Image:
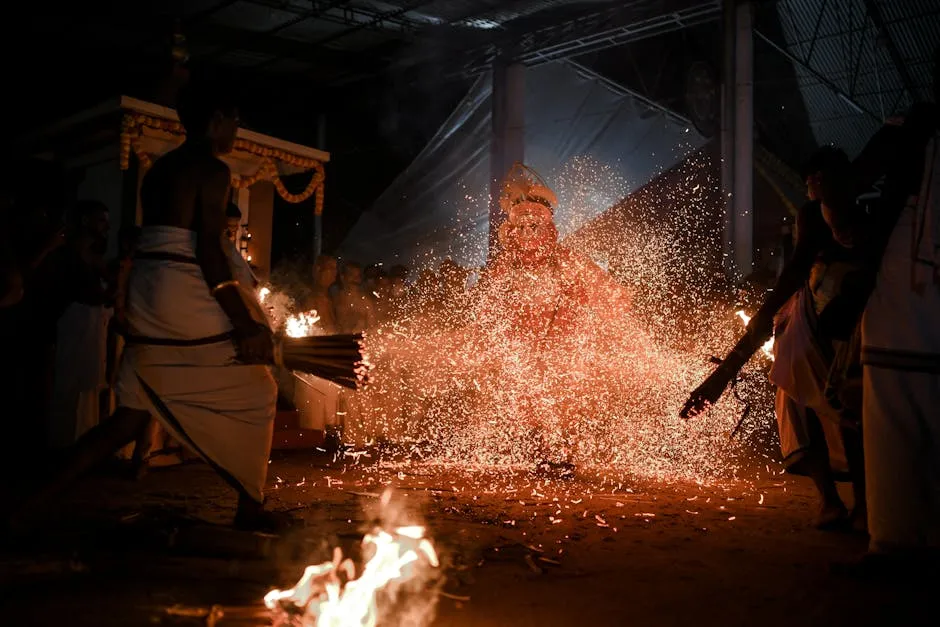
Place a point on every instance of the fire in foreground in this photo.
(330, 594)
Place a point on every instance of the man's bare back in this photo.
(173, 189)
(189, 188)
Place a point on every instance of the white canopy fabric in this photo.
(592, 145)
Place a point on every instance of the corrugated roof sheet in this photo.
(839, 40)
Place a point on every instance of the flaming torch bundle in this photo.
(336, 358)
(768, 348)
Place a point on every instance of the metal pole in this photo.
(317, 218)
(727, 134)
(317, 235)
(508, 137)
(744, 140)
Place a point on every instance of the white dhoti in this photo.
(80, 377)
(180, 365)
(901, 358)
(800, 372)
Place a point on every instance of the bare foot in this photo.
(832, 517)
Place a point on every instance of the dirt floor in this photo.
(514, 551)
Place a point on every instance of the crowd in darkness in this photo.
(353, 299)
(61, 303)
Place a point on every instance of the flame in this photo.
(301, 324)
(323, 599)
(768, 347)
(278, 307)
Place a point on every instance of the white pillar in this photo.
(508, 140)
(744, 140)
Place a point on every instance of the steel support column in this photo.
(743, 198)
(508, 138)
(317, 217)
(727, 133)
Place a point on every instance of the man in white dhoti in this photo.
(74, 289)
(901, 346)
(806, 306)
(196, 354)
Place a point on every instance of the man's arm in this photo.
(792, 278)
(212, 200)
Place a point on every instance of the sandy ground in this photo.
(515, 551)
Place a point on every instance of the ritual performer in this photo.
(196, 349)
(545, 296)
(811, 329)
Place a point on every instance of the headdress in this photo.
(524, 191)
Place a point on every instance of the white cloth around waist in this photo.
(169, 299)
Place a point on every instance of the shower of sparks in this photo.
(456, 382)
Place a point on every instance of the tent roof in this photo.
(592, 144)
(857, 62)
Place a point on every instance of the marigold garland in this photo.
(133, 123)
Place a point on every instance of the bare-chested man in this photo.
(196, 353)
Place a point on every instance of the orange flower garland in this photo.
(131, 128)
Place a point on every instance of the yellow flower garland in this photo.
(131, 129)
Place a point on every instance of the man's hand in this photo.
(255, 345)
(709, 392)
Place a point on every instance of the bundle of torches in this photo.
(768, 348)
(336, 358)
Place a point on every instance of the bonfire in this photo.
(332, 595)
